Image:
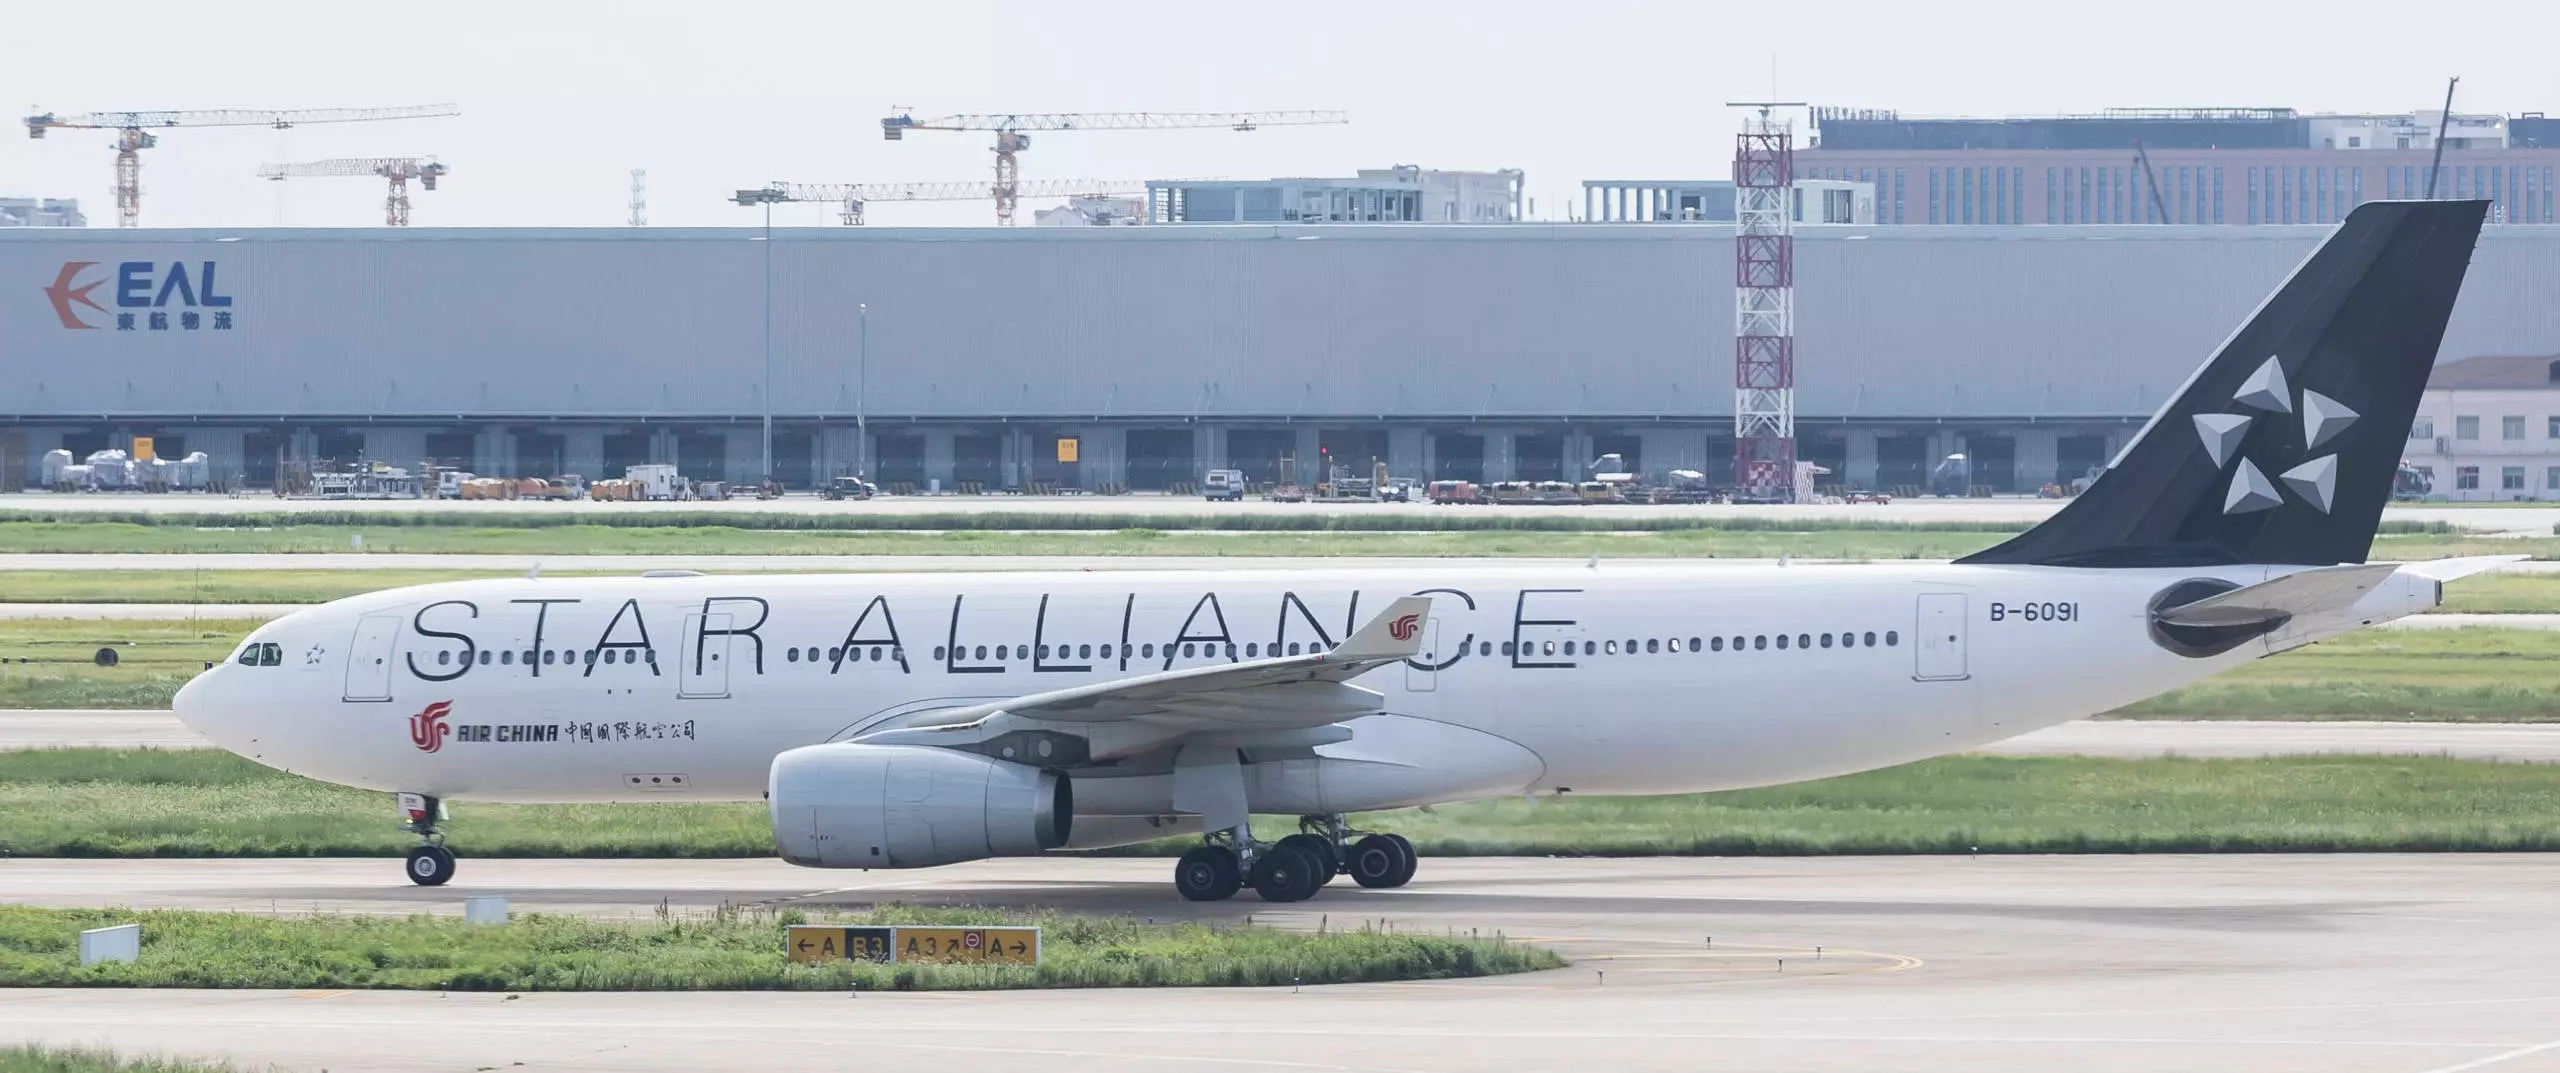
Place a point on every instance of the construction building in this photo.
(1401, 194)
(2211, 165)
(41, 212)
(1137, 356)
(1815, 201)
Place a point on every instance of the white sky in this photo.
(561, 99)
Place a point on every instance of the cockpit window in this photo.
(262, 654)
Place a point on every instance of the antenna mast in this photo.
(1764, 305)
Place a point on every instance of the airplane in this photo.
(913, 720)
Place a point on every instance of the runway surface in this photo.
(2404, 964)
(2128, 739)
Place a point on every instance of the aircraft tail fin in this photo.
(2283, 448)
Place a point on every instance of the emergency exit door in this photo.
(369, 656)
(1938, 638)
(702, 665)
(1419, 675)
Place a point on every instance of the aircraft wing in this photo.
(1258, 701)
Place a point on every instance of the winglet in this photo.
(1396, 633)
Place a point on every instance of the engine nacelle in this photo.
(910, 806)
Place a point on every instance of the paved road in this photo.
(2345, 964)
(2142, 738)
(2120, 738)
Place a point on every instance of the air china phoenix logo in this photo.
(427, 729)
(2314, 481)
(67, 291)
(1404, 627)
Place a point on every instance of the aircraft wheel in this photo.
(1320, 850)
(1285, 873)
(1207, 874)
(1380, 862)
(430, 866)
(1412, 860)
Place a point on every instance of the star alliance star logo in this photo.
(2323, 418)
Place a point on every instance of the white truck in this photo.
(1223, 484)
(657, 481)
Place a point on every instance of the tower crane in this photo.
(1012, 133)
(853, 195)
(134, 134)
(398, 169)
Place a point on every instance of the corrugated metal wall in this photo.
(1598, 320)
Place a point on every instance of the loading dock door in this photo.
(1938, 638)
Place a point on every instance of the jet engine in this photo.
(909, 806)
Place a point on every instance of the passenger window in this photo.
(1694, 646)
(1760, 641)
(1890, 639)
(1826, 640)
(791, 655)
(444, 658)
(940, 653)
(1484, 648)
(1804, 640)
(1737, 644)
(613, 655)
(1631, 646)
(1719, 644)
(982, 651)
(875, 653)
(1782, 641)
(508, 657)
(549, 657)
(1871, 638)
(1613, 647)
(1231, 650)
(1147, 651)
(1251, 647)
(591, 657)
(1084, 651)
(1551, 649)
(484, 657)
(1652, 646)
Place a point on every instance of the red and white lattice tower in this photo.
(1764, 306)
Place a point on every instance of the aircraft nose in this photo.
(197, 708)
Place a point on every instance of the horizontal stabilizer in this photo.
(2326, 588)
(2457, 569)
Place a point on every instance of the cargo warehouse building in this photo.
(1134, 356)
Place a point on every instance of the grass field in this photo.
(29, 1058)
(109, 803)
(2476, 674)
(2494, 593)
(154, 658)
(723, 950)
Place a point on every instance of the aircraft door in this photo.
(1937, 638)
(369, 656)
(1419, 675)
(702, 665)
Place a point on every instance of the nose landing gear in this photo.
(429, 864)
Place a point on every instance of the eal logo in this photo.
(144, 294)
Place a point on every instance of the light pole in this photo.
(861, 388)
(766, 197)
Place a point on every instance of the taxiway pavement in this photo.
(2339, 964)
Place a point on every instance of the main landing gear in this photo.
(430, 864)
(1294, 868)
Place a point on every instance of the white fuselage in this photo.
(1610, 679)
